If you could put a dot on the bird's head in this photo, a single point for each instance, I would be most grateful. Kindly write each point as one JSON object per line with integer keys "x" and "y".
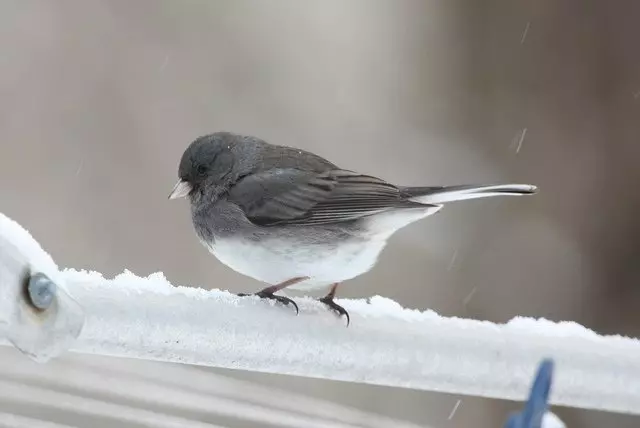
{"x": 207, "y": 167}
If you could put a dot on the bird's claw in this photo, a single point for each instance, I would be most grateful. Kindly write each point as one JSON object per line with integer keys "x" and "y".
{"x": 267, "y": 295}
{"x": 328, "y": 300}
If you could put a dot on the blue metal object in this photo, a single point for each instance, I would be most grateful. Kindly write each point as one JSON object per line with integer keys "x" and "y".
{"x": 41, "y": 291}
{"x": 538, "y": 402}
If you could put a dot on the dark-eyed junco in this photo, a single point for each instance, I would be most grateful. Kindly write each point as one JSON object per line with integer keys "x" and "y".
{"x": 290, "y": 218}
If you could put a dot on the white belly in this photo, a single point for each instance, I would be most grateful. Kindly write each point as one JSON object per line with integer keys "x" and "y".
{"x": 276, "y": 261}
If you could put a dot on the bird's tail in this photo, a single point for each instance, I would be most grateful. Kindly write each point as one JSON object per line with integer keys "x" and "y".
{"x": 442, "y": 195}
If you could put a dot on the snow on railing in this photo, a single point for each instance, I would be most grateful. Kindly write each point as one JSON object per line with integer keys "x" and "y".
{"x": 149, "y": 318}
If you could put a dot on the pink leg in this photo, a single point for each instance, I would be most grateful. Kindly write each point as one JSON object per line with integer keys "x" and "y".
{"x": 328, "y": 300}
{"x": 268, "y": 292}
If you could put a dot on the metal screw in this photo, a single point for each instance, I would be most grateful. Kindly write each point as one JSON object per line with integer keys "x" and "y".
{"x": 41, "y": 291}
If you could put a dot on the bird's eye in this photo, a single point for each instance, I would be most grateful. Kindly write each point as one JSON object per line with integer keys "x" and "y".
{"x": 201, "y": 169}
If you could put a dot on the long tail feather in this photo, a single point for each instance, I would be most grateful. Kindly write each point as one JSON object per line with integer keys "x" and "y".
{"x": 442, "y": 195}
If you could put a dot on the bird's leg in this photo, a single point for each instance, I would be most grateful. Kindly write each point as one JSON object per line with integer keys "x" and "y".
{"x": 268, "y": 293}
{"x": 328, "y": 300}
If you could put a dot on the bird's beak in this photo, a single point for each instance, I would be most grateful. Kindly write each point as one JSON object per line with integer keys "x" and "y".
{"x": 180, "y": 190}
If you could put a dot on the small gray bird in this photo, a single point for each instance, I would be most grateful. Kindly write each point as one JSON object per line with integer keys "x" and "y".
{"x": 289, "y": 218}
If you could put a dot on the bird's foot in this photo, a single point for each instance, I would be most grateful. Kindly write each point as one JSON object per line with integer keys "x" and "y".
{"x": 328, "y": 300}
{"x": 268, "y": 294}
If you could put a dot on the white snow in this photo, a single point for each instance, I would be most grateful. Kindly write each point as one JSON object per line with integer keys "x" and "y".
{"x": 549, "y": 420}
{"x": 39, "y": 334}
{"x": 386, "y": 344}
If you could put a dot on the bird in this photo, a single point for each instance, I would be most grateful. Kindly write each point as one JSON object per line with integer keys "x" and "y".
{"x": 290, "y": 218}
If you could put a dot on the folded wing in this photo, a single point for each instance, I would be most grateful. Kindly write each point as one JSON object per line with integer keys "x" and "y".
{"x": 292, "y": 196}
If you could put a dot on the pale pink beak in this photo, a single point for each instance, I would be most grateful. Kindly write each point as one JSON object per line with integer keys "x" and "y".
{"x": 180, "y": 190}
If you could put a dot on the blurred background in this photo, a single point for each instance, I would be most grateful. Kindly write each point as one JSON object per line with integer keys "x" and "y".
{"x": 98, "y": 100}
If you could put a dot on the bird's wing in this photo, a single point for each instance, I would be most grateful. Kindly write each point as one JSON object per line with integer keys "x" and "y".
{"x": 293, "y": 196}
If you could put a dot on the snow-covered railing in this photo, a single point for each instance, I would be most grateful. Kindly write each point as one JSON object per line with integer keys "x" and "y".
{"x": 149, "y": 318}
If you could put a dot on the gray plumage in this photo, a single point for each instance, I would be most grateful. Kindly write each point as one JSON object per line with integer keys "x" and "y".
{"x": 275, "y": 212}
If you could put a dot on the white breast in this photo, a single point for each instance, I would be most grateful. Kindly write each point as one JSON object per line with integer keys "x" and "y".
{"x": 275, "y": 261}
{"x": 282, "y": 256}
